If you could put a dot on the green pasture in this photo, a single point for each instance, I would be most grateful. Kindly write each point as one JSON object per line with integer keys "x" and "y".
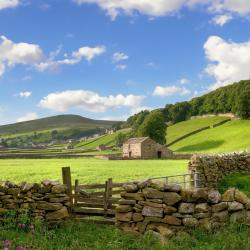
{"x": 88, "y": 170}
{"x": 240, "y": 181}
{"x": 182, "y": 128}
{"x": 232, "y": 136}
{"x": 108, "y": 140}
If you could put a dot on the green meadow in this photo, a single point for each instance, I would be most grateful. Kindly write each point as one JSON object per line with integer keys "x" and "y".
{"x": 232, "y": 136}
{"x": 88, "y": 170}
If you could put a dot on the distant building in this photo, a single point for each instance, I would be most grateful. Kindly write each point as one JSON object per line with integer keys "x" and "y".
{"x": 145, "y": 148}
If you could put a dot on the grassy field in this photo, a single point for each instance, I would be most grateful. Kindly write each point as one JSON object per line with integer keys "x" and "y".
{"x": 240, "y": 181}
{"x": 232, "y": 136}
{"x": 88, "y": 170}
{"x": 108, "y": 140}
{"x": 182, "y": 128}
{"x": 76, "y": 236}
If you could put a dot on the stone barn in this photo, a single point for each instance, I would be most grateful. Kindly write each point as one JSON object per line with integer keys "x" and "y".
{"x": 145, "y": 148}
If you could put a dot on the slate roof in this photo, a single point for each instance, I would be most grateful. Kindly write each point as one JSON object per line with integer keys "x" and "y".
{"x": 136, "y": 140}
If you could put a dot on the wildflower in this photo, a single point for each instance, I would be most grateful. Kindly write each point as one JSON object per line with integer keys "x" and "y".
{"x": 20, "y": 247}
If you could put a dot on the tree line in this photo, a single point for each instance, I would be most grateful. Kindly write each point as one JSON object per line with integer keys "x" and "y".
{"x": 234, "y": 99}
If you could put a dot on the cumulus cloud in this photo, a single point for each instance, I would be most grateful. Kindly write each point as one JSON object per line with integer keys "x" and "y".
{"x": 119, "y": 56}
{"x": 147, "y": 7}
{"x": 164, "y": 91}
{"x": 156, "y": 8}
{"x": 12, "y": 53}
{"x": 221, "y": 20}
{"x": 87, "y": 53}
{"x": 229, "y": 61}
{"x": 25, "y": 94}
{"x": 4, "y": 4}
{"x": 28, "y": 117}
{"x": 18, "y": 53}
{"x": 87, "y": 100}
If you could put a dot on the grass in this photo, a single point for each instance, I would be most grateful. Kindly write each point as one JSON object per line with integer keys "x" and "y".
{"x": 76, "y": 236}
{"x": 182, "y": 128}
{"x": 240, "y": 181}
{"x": 108, "y": 140}
{"x": 232, "y": 136}
{"x": 88, "y": 170}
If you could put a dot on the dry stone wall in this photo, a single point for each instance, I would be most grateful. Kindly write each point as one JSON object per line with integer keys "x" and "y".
{"x": 167, "y": 209}
{"x": 212, "y": 168}
{"x": 45, "y": 201}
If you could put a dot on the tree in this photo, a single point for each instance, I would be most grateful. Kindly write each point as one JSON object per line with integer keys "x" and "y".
{"x": 154, "y": 127}
{"x": 120, "y": 139}
{"x": 244, "y": 105}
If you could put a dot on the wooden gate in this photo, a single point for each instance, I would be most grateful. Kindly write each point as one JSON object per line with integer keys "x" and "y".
{"x": 93, "y": 202}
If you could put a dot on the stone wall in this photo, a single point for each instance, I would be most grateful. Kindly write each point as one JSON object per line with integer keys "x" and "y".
{"x": 45, "y": 201}
{"x": 212, "y": 168}
{"x": 167, "y": 209}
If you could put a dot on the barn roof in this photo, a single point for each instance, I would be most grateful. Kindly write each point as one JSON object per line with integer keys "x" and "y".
{"x": 136, "y": 140}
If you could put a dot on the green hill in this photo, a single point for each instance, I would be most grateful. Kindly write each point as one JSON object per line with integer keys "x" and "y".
{"x": 183, "y": 128}
{"x": 60, "y": 122}
{"x": 229, "y": 137}
{"x": 108, "y": 140}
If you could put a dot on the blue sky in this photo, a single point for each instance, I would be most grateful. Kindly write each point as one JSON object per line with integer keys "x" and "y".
{"x": 107, "y": 59}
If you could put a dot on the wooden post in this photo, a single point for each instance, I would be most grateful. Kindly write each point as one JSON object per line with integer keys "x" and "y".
{"x": 76, "y": 192}
{"x": 66, "y": 176}
{"x": 105, "y": 200}
{"x": 110, "y": 188}
{"x": 107, "y": 195}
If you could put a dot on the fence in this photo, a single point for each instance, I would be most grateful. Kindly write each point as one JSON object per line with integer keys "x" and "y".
{"x": 97, "y": 202}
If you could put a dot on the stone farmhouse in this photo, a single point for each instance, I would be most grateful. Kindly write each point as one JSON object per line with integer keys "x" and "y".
{"x": 145, "y": 148}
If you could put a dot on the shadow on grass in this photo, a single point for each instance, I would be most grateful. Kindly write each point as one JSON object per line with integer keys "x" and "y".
{"x": 201, "y": 146}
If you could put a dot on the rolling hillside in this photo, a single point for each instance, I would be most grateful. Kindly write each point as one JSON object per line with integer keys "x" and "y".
{"x": 229, "y": 137}
{"x": 108, "y": 140}
{"x": 60, "y": 122}
{"x": 182, "y": 128}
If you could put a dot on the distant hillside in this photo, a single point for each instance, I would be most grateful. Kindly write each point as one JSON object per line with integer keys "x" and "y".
{"x": 234, "y": 98}
{"x": 60, "y": 122}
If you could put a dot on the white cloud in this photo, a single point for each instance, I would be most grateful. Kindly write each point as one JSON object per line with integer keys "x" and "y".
{"x": 170, "y": 90}
{"x": 156, "y": 8}
{"x": 87, "y": 53}
{"x": 229, "y": 61}
{"x": 119, "y": 56}
{"x": 184, "y": 81}
{"x": 18, "y": 53}
{"x": 121, "y": 66}
{"x": 242, "y": 7}
{"x": 28, "y": 117}
{"x": 221, "y": 20}
{"x": 146, "y": 7}
{"x": 4, "y": 4}
{"x": 87, "y": 100}
{"x": 31, "y": 54}
{"x": 25, "y": 94}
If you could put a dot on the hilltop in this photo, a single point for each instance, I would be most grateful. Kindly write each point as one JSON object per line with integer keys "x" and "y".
{"x": 55, "y": 122}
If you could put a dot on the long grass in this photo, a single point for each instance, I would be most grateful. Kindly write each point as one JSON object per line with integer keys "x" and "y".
{"x": 240, "y": 181}
{"x": 76, "y": 236}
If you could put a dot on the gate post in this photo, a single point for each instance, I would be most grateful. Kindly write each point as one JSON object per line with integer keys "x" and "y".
{"x": 66, "y": 177}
